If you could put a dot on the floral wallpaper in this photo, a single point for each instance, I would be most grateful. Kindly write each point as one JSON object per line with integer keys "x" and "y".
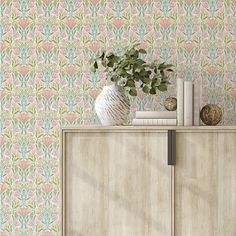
{"x": 46, "y": 83}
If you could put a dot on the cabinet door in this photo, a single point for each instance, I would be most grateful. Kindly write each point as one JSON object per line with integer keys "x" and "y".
{"x": 116, "y": 184}
{"x": 205, "y": 184}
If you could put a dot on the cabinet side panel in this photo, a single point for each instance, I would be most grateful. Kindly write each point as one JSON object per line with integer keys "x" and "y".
{"x": 117, "y": 184}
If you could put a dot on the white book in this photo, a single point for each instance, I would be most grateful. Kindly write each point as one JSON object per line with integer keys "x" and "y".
{"x": 155, "y": 115}
{"x": 180, "y": 102}
{"x": 188, "y": 103}
{"x": 154, "y": 122}
{"x": 197, "y": 99}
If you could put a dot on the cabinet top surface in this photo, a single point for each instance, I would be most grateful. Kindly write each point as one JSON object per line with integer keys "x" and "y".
{"x": 149, "y": 128}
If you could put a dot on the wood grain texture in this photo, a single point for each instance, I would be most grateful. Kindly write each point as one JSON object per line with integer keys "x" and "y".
{"x": 155, "y": 128}
{"x": 205, "y": 184}
{"x": 117, "y": 184}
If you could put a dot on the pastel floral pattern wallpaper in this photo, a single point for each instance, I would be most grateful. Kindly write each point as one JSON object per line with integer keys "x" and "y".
{"x": 46, "y": 82}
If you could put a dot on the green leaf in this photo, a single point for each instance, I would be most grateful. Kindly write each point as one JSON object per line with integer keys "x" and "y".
{"x": 104, "y": 64}
{"x": 170, "y": 70}
{"x": 109, "y": 54}
{"x": 132, "y": 51}
{"x": 110, "y": 63}
{"x": 95, "y": 65}
{"x": 153, "y": 91}
{"x": 142, "y": 51}
{"x": 162, "y": 66}
{"x": 130, "y": 83}
{"x": 146, "y": 80}
{"x": 156, "y": 83}
{"x": 164, "y": 79}
{"x": 162, "y": 73}
{"x": 129, "y": 68}
{"x": 137, "y": 70}
{"x": 114, "y": 78}
{"x": 143, "y": 73}
{"x": 93, "y": 69}
{"x": 136, "y": 54}
{"x": 162, "y": 87}
{"x": 133, "y": 92}
{"x": 146, "y": 89}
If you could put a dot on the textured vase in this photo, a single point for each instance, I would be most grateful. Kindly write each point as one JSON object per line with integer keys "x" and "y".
{"x": 112, "y": 106}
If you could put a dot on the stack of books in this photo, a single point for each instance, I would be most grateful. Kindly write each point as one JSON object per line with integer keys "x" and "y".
{"x": 188, "y": 108}
{"x": 155, "y": 118}
{"x": 188, "y": 103}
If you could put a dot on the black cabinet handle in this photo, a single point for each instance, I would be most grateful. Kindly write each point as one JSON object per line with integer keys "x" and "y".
{"x": 171, "y": 147}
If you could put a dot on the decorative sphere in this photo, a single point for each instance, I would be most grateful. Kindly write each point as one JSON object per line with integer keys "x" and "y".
{"x": 211, "y": 114}
{"x": 170, "y": 104}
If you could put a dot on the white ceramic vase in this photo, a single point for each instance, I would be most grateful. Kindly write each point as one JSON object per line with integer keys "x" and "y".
{"x": 112, "y": 106}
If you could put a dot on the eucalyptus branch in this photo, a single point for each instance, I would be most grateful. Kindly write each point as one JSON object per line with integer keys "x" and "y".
{"x": 132, "y": 72}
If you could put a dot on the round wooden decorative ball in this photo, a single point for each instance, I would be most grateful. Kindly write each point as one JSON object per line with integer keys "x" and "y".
{"x": 211, "y": 114}
{"x": 170, "y": 104}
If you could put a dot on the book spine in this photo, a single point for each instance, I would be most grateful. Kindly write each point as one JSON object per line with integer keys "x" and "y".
{"x": 197, "y": 97}
{"x": 188, "y": 103}
{"x": 154, "y": 122}
{"x": 155, "y": 115}
{"x": 180, "y": 102}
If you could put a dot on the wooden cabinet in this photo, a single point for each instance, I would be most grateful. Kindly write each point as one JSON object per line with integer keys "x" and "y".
{"x": 205, "y": 184}
{"x": 116, "y": 182}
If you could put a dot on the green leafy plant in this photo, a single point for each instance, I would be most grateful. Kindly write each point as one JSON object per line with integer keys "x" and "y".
{"x": 131, "y": 72}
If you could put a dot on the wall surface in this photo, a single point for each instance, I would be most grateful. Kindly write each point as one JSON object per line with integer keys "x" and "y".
{"x": 45, "y": 82}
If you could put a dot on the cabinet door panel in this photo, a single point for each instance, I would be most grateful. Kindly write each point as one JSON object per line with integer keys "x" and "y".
{"x": 205, "y": 184}
{"x": 117, "y": 184}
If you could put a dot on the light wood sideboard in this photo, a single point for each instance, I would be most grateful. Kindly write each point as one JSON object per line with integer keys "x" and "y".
{"x": 118, "y": 181}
